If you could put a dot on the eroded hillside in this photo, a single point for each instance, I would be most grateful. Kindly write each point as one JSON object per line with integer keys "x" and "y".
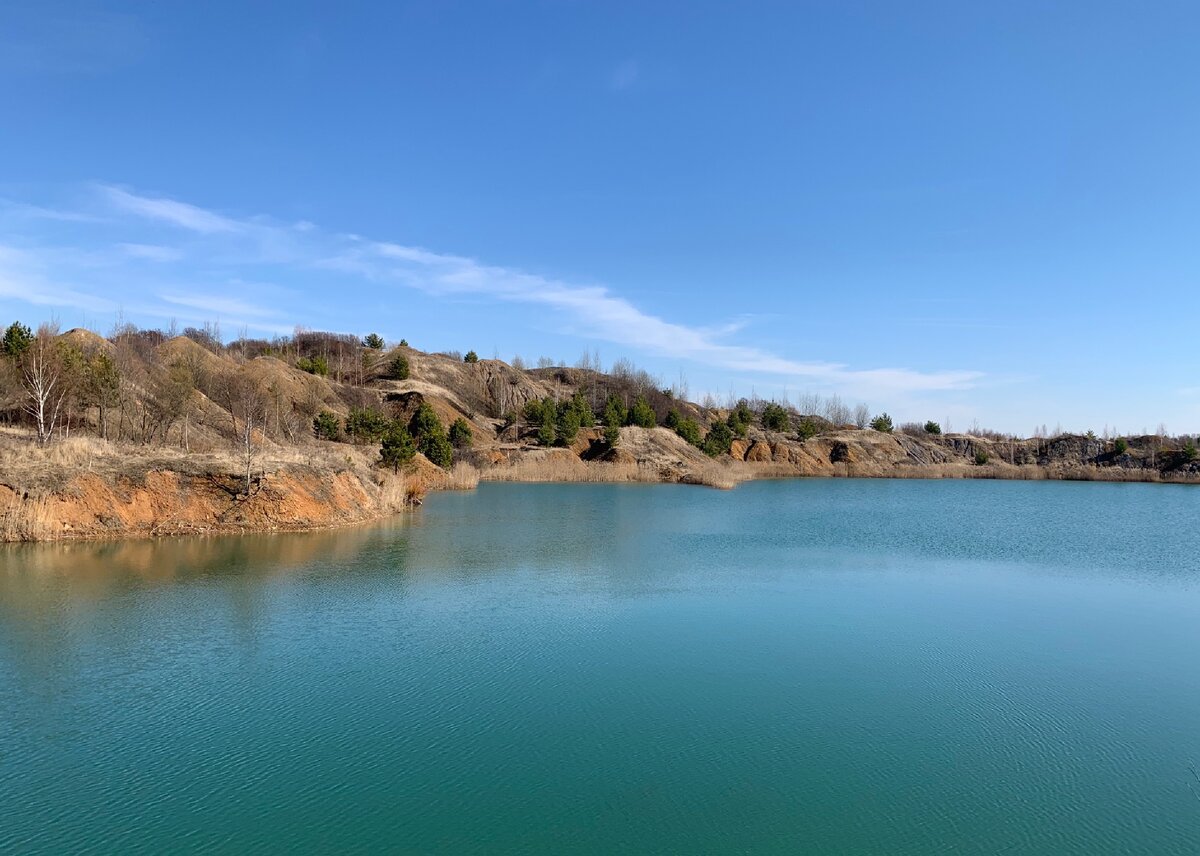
{"x": 145, "y": 434}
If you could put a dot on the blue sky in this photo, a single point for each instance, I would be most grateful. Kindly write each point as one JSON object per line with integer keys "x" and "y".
{"x": 956, "y": 211}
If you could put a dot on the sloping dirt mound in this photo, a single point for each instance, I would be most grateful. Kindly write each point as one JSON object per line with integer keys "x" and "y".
{"x": 660, "y": 447}
{"x": 86, "y": 340}
{"x": 488, "y": 388}
{"x": 181, "y": 348}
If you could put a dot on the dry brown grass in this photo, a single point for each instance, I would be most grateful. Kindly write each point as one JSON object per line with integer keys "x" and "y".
{"x": 1008, "y": 472}
{"x": 560, "y": 469}
{"x": 462, "y": 476}
{"x": 29, "y": 468}
{"x": 398, "y": 492}
{"x": 1119, "y": 474}
{"x": 952, "y": 470}
{"x": 25, "y": 520}
{"x": 719, "y": 474}
{"x": 727, "y": 475}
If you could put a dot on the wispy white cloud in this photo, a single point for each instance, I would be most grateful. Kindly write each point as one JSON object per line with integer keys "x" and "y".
{"x": 23, "y": 277}
{"x": 151, "y": 252}
{"x": 591, "y": 311}
{"x": 598, "y": 313}
{"x": 169, "y": 211}
{"x": 12, "y": 210}
{"x": 220, "y": 306}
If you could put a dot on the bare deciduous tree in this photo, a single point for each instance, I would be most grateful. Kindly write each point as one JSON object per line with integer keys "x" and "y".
{"x": 836, "y": 411}
{"x": 246, "y": 401}
{"x": 45, "y": 388}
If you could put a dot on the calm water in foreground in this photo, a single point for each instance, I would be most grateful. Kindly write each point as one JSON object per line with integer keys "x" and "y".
{"x": 808, "y": 666}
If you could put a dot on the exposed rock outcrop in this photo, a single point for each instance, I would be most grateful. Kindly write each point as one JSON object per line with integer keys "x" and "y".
{"x": 759, "y": 452}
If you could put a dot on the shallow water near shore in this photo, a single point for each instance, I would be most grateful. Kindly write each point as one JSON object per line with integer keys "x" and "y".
{"x": 825, "y": 666}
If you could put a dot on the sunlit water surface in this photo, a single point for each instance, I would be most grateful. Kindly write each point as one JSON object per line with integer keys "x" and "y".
{"x": 902, "y": 667}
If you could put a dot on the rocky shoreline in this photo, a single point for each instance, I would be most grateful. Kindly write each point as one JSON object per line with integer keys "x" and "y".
{"x": 151, "y": 497}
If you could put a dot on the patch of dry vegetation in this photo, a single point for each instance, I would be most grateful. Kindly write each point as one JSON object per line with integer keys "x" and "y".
{"x": 560, "y": 468}
{"x": 25, "y": 519}
{"x": 462, "y": 476}
{"x": 568, "y": 468}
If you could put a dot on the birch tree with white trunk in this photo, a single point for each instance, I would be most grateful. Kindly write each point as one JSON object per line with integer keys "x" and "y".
{"x": 45, "y": 387}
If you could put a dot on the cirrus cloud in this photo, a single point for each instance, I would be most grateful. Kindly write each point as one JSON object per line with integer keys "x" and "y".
{"x": 186, "y": 237}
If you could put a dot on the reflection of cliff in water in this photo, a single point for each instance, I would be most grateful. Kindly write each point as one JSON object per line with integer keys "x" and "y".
{"x": 457, "y": 537}
{"x": 66, "y": 572}
{"x": 65, "y": 600}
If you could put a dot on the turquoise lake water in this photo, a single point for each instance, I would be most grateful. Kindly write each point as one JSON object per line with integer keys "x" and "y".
{"x": 814, "y": 666}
